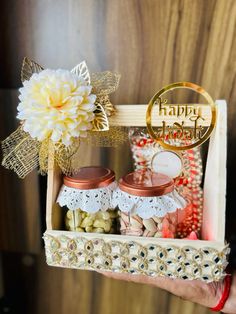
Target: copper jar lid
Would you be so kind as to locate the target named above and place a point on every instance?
(146, 183)
(87, 178)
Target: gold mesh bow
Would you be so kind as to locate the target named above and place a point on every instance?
(23, 154)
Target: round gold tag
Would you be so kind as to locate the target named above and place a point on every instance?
(180, 126)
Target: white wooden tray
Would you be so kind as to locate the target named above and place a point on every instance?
(187, 259)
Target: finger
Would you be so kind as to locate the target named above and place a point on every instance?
(192, 290)
(161, 282)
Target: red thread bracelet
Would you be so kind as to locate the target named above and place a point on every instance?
(225, 294)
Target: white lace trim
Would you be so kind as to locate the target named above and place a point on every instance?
(89, 201)
(147, 207)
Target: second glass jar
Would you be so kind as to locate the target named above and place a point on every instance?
(148, 204)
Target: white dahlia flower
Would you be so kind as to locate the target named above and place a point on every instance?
(56, 104)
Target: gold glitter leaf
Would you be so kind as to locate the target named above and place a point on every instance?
(109, 109)
(29, 67)
(100, 122)
(104, 83)
(107, 105)
(81, 70)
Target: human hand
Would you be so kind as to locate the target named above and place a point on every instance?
(206, 294)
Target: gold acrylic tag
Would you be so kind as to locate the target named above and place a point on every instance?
(184, 126)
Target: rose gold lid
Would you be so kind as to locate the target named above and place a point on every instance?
(146, 183)
(90, 178)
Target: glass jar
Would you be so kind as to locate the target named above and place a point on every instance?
(148, 204)
(87, 198)
(144, 149)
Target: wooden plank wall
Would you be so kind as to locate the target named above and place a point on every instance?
(151, 43)
(20, 219)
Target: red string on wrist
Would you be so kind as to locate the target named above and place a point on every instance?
(225, 294)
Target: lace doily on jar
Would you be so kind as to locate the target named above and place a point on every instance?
(89, 201)
(147, 207)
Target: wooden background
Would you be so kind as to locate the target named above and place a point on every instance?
(151, 43)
